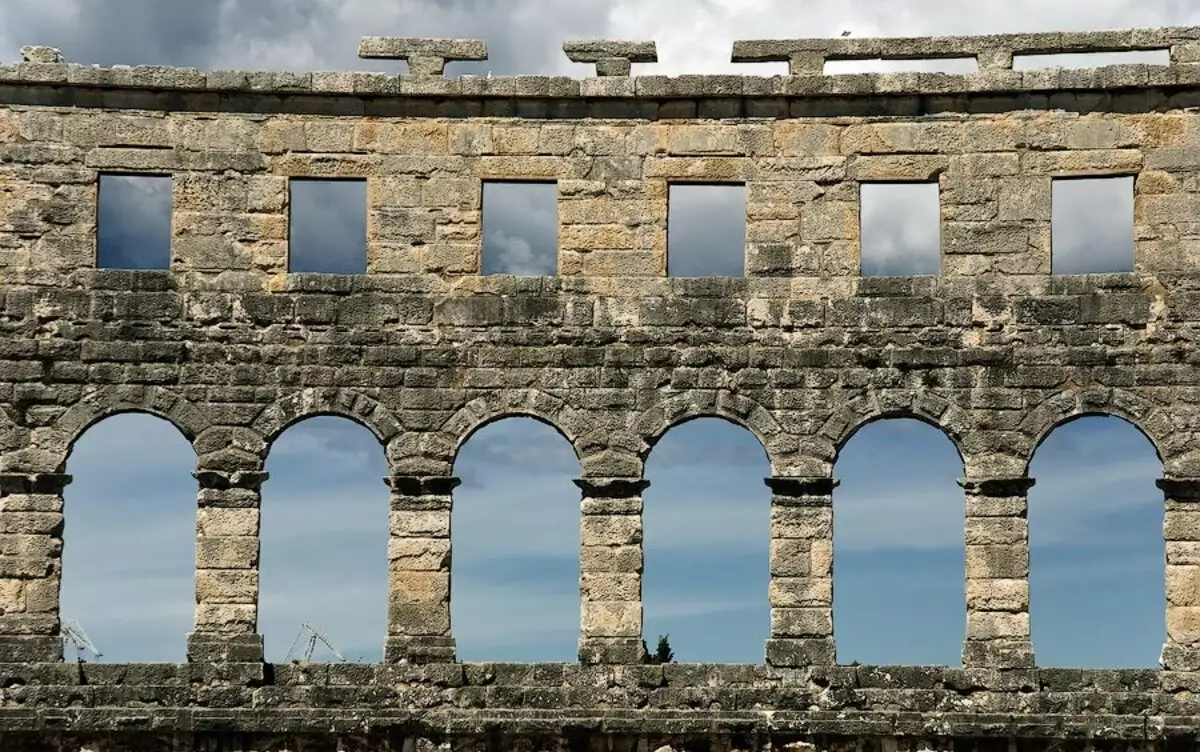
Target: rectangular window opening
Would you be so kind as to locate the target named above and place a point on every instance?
(959, 66)
(520, 228)
(1091, 225)
(327, 226)
(133, 222)
(706, 230)
(901, 229)
(1076, 60)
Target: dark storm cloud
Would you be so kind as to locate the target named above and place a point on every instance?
(134, 222)
(520, 228)
(328, 226)
(706, 230)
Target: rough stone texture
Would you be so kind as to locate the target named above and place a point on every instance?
(423, 351)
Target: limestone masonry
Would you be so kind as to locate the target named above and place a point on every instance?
(423, 350)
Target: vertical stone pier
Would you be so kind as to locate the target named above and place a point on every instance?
(227, 557)
(997, 564)
(31, 539)
(610, 570)
(419, 569)
(801, 562)
(1181, 528)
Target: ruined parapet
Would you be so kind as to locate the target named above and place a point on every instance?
(612, 57)
(425, 56)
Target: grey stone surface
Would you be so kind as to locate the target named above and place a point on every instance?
(422, 350)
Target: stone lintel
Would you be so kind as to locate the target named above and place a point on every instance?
(999, 487)
(613, 57)
(611, 488)
(998, 654)
(422, 485)
(33, 483)
(426, 56)
(805, 492)
(611, 651)
(222, 480)
(1180, 489)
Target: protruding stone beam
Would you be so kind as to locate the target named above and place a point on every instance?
(419, 569)
(997, 553)
(40, 53)
(1181, 528)
(426, 56)
(801, 565)
(993, 52)
(610, 570)
(31, 521)
(613, 57)
(227, 575)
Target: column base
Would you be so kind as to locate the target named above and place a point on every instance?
(998, 654)
(208, 647)
(1176, 657)
(801, 653)
(30, 649)
(421, 649)
(611, 651)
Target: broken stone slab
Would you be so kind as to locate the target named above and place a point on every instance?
(613, 57)
(426, 56)
(40, 53)
(992, 52)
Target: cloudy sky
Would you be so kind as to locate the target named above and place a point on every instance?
(1095, 514)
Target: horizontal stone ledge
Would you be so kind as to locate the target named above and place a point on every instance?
(997, 487)
(611, 488)
(33, 483)
(422, 485)
(378, 84)
(223, 480)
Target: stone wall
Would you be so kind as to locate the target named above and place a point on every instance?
(423, 350)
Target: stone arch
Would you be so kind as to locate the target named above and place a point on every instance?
(309, 403)
(437, 451)
(55, 445)
(1148, 418)
(654, 422)
(927, 407)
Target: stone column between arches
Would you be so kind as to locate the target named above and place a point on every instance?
(1181, 528)
(31, 533)
(997, 573)
(611, 562)
(227, 567)
(419, 569)
(801, 565)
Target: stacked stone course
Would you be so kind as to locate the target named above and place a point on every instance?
(422, 350)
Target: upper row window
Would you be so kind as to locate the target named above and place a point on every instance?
(1092, 229)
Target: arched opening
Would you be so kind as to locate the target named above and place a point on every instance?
(324, 537)
(514, 587)
(131, 587)
(898, 549)
(1096, 590)
(707, 543)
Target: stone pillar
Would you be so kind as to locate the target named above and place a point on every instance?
(31, 532)
(997, 561)
(227, 550)
(610, 570)
(419, 570)
(1181, 528)
(801, 589)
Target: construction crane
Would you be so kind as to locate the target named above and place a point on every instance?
(311, 635)
(73, 633)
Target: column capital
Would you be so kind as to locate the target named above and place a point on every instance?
(998, 486)
(33, 483)
(611, 488)
(1180, 489)
(223, 480)
(422, 485)
(796, 487)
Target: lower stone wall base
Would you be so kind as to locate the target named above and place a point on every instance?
(30, 649)
(798, 653)
(422, 649)
(206, 647)
(1000, 654)
(622, 651)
